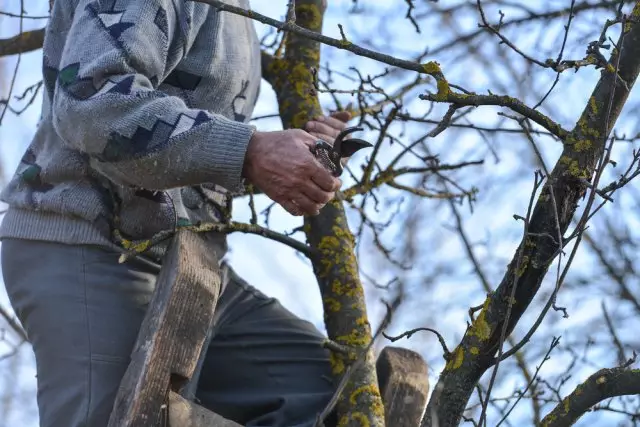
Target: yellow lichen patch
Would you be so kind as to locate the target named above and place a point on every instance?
(635, 15)
(574, 167)
(299, 120)
(310, 15)
(456, 359)
(524, 263)
(136, 247)
(329, 243)
(327, 246)
(593, 104)
(443, 89)
(311, 54)
(377, 406)
(342, 231)
(277, 69)
(586, 129)
(336, 363)
(565, 405)
(332, 304)
(337, 288)
(355, 338)
(480, 328)
(370, 388)
(474, 350)
(362, 321)
(582, 145)
(431, 67)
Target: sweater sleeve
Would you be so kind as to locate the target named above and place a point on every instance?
(106, 102)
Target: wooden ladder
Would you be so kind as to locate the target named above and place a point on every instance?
(159, 384)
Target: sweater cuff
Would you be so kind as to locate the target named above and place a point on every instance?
(221, 162)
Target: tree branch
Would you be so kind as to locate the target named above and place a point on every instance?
(138, 247)
(602, 385)
(585, 145)
(344, 44)
(22, 43)
(328, 234)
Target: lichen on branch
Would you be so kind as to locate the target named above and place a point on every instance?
(328, 234)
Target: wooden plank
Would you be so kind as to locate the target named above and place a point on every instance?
(173, 332)
(404, 386)
(183, 413)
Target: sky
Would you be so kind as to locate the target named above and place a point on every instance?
(271, 267)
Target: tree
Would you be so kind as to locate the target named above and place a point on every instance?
(502, 89)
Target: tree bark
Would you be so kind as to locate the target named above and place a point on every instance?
(328, 234)
(22, 43)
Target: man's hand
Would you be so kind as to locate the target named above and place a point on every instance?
(329, 127)
(281, 165)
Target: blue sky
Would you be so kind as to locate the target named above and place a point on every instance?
(276, 270)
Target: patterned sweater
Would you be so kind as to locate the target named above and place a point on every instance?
(143, 124)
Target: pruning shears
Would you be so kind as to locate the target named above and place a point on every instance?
(330, 155)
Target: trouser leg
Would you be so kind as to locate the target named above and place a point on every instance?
(82, 311)
(264, 366)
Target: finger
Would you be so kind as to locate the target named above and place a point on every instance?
(316, 194)
(291, 207)
(306, 205)
(327, 182)
(326, 129)
(343, 116)
(317, 128)
(322, 177)
(334, 122)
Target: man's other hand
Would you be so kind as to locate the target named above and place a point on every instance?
(280, 164)
(328, 127)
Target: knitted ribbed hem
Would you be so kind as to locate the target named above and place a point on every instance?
(53, 227)
(222, 162)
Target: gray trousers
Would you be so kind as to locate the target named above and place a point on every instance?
(82, 311)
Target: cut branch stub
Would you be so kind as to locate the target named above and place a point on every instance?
(404, 385)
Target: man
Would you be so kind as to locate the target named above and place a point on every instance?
(144, 128)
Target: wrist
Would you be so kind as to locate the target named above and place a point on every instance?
(248, 157)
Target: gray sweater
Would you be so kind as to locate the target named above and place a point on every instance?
(143, 123)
